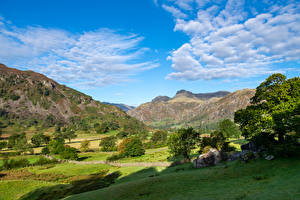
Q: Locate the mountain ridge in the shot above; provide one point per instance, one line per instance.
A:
(30, 99)
(187, 109)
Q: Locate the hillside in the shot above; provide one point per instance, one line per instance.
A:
(230, 181)
(29, 99)
(189, 109)
(122, 106)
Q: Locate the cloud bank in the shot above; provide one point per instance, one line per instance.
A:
(89, 59)
(234, 38)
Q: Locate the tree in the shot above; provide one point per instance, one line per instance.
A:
(183, 142)
(229, 129)
(69, 134)
(131, 147)
(159, 137)
(108, 144)
(56, 146)
(84, 145)
(274, 110)
(39, 138)
(69, 153)
(19, 143)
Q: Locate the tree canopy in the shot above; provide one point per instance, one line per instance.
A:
(274, 110)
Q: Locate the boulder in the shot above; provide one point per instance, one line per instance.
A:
(212, 157)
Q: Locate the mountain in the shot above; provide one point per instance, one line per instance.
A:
(122, 106)
(29, 99)
(188, 109)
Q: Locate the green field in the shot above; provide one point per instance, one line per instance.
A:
(13, 189)
(260, 179)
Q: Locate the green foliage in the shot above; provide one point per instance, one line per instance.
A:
(274, 109)
(19, 143)
(115, 156)
(3, 144)
(183, 142)
(69, 134)
(229, 129)
(15, 163)
(108, 144)
(69, 153)
(131, 147)
(45, 151)
(273, 113)
(84, 145)
(122, 134)
(39, 139)
(45, 161)
(56, 146)
(159, 137)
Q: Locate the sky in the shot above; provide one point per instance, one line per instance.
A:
(132, 51)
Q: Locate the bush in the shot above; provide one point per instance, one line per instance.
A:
(56, 146)
(84, 145)
(69, 153)
(44, 161)
(159, 137)
(45, 151)
(108, 144)
(122, 134)
(131, 147)
(11, 164)
(115, 157)
(3, 144)
(39, 139)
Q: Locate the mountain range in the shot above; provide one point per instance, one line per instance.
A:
(203, 110)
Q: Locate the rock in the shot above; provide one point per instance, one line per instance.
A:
(212, 157)
(250, 146)
(234, 156)
(269, 157)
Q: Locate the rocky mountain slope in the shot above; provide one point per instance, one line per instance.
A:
(32, 99)
(188, 109)
(122, 106)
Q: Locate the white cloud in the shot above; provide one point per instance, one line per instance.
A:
(226, 42)
(174, 11)
(90, 59)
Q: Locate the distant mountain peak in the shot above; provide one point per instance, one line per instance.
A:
(201, 96)
(161, 99)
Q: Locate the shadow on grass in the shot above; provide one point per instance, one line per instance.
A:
(78, 184)
(83, 158)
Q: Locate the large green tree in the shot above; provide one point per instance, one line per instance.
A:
(183, 142)
(274, 110)
(229, 129)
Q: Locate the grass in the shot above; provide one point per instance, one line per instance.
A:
(31, 158)
(260, 179)
(13, 189)
(70, 169)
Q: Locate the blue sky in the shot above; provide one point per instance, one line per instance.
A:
(132, 51)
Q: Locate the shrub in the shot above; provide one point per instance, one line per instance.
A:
(45, 151)
(206, 149)
(56, 146)
(122, 134)
(69, 153)
(44, 161)
(39, 139)
(84, 145)
(159, 137)
(11, 164)
(115, 157)
(3, 144)
(108, 144)
(131, 147)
